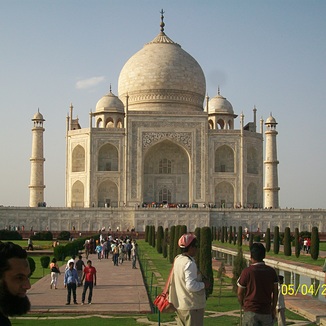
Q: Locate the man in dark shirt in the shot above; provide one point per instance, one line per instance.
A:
(14, 282)
(258, 290)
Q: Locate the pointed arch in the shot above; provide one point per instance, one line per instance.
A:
(166, 173)
(224, 159)
(78, 159)
(107, 194)
(224, 195)
(109, 123)
(210, 124)
(77, 194)
(99, 123)
(108, 158)
(252, 193)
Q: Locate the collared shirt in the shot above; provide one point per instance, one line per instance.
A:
(71, 276)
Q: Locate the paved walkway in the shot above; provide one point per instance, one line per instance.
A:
(120, 289)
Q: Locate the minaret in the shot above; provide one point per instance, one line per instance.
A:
(271, 188)
(36, 193)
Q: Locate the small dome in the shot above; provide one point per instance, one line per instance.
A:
(220, 105)
(110, 103)
(38, 116)
(270, 120)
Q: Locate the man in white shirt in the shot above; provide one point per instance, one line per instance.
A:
(187, 290)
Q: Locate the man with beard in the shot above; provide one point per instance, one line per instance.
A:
(14, 282)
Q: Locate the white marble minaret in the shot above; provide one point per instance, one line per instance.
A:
(36, 187)
(271, 188)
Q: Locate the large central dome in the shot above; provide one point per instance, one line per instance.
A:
(162, 76)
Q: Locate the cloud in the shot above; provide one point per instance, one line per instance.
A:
(89, 82)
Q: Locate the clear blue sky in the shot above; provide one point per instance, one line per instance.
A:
(271, 54)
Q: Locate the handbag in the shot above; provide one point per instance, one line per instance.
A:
(162, 300)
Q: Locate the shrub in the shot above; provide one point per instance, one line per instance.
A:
(9, 235)
(268, 240)
(59, 253)
(146, 233)
(239, 240)
(297, 245)
(165, 243)
(205, 248)
(314, 247)
(32, 264)
(45, 235)
(171, 244)
(197, 234)
(160, 239)
(276, 240)
(64, 235)
(287, 242)
(239, 264)
(45, 261)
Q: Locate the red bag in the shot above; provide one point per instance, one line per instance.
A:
(161, 301)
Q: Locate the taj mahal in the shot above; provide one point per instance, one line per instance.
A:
(162, 152)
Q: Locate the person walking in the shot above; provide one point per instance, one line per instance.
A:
(70, 282)
(80, 265)
(187, 289)
(133, 254)
(89, 275)
(258, 290)
(54, 267)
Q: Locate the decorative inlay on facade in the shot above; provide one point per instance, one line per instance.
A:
(183, 138)
(160, 95)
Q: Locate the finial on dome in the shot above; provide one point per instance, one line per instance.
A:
(162, 22)
(218, 90)
(110, 88)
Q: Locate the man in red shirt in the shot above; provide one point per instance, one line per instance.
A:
(89, 275)
(258, 289)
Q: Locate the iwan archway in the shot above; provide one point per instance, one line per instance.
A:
(166, 174)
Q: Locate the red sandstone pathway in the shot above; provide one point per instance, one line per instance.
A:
(120, 289)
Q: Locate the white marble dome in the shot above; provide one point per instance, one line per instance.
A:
(110, 103)
(162, 73)
(219, 104)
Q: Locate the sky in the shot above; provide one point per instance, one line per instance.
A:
(266, 53)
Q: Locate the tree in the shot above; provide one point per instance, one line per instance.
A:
(222, 234)
(146, 233)
(153, 236)
(171, 244)
(287, 242)
(239, 239)
(32, 265)
(268, 240)
(314, 246)
(297, 245)
(205, 248)
(149, 238)
(251, 239)
(239, 264)
(160, 239)
(230, 234)
(165, 243)
(197, 234)
(177, 236)
(276, 240)
(45, 261)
